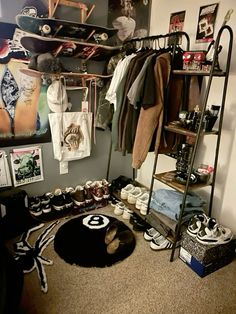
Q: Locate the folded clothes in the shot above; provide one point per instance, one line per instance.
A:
(169, 202)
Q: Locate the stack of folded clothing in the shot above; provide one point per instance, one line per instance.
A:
(169, 202)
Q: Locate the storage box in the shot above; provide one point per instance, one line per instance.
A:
(206, 254)
(204, 269)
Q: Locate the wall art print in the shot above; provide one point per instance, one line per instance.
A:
(131, 18)
(206, 23)
(26, 164)
(23, 107)
(176, 25)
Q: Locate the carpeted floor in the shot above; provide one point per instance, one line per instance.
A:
(143, 283)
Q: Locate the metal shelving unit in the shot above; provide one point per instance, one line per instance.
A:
(197, 135)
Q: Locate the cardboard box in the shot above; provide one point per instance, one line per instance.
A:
(201, 269)
(206, 254)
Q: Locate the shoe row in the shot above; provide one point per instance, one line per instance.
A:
(157, 241)
(61, 199)
(137, 196)
(207, 231)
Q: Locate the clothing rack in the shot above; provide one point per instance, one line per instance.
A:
(152, 41)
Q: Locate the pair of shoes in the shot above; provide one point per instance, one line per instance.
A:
(117, 239)
(142, 203)
(207, 231)
(39, 205)
(160, 243)
(157, 241)
(99, 189)
(78, 196)
(127, 213)
(124, 193)
(135, 194)
(61, 199)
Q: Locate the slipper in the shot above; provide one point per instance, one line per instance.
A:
(112, 231)
(122, 242)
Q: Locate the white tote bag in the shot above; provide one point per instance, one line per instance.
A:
(71, 135)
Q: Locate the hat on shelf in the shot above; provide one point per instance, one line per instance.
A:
(125, 26)
(57, 97)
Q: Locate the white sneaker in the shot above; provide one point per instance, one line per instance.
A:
(127, 213)
(126, 190)
(133, 195)
(119, 208)
(149, 234)
(160, 243)
(143, 198)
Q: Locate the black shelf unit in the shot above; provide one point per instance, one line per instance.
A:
(184, 189)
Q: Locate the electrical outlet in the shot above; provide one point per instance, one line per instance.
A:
(64, 169)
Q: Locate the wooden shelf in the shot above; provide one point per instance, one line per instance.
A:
(198, 73)
(183, 131)
(162, 177)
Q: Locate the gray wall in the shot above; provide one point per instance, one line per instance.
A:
(90, 168)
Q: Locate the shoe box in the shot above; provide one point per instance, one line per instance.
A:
(205, 259)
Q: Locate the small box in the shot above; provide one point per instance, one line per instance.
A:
(201, 269)
(206, 254)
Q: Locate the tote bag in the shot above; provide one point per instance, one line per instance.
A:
(71, 135)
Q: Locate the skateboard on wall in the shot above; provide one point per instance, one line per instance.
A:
(50, 27)
(71, 48)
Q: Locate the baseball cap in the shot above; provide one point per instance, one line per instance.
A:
(57, 97)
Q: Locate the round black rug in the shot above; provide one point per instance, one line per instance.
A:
(81, 241)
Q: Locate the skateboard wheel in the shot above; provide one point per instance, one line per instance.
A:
(46, 29)
(103, 36)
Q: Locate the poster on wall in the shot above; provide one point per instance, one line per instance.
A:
(23, 107)
(5, 177)
(206, 23)
(176, 24)
(26, 164)
(130, 17)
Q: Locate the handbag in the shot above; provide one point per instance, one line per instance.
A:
(71, 135)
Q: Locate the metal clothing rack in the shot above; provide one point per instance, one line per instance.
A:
(151, 42)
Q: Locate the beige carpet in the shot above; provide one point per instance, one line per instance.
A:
(145, 282)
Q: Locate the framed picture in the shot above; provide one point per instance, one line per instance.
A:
(206, 23)
(26, 164)
(23, 103)
(131, 18)
(176, 25)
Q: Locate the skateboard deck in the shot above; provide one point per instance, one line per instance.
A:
(50, 27)
(38, 44)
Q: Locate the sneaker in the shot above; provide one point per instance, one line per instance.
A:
(143, 198)
(34, 202)
(78, 196)
(88, 193)
(45, 199)
(127, 213)
(36, 211)
(126, 190)
(160, 243)
(150, 233)
(214, 234)
(46, 208)
(58, 200)
(119, 209)
(133, 195)
(67, 197)
(195, 224)
(105, 187)
(97, 190)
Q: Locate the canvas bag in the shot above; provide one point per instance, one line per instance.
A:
(71, 135)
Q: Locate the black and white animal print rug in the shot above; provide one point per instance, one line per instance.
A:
(29, 257)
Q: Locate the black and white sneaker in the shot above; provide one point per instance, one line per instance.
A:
(46, 208)
(214, 234)
(150, 233)
(58, 200)
(36, 211)
(196, 223)
(160, 243)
